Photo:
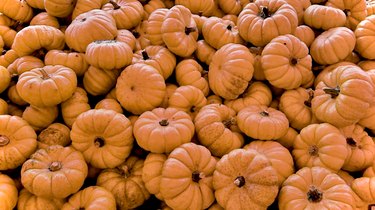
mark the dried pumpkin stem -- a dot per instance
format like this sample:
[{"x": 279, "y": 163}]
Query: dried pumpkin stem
[
  {"x": 314, "y": 195},
  {"x": 124, "y": 170},
  {"x": 265, "y": 113},
  {"x": 311, "y": 96},
  {"x": 293, "y": 61},
  {"x": 188, "y": 30},
  {"x": 115, "y": 5},
  {"x": 145, "y": 55},
  {"x": 164, "y": 122},
  {"x": 4, "y": 140},
  {"x": 196, "y": 176},
  {"x": 229, "y": 122},
  {"x": 334, "y": 92},
  {"x": 229, "y": 27},
  {"x": 264, "y": 12},
  {"x": 313, "y": 150},
  {"x": 99, "y": 141},
  {"x": 136, "y": 34},
  {"x": 351, "y": 142},
  {"x": 55, "y": 166},
  {"x": 239, "y": 181},
  {"x": 45, "y": 75}
]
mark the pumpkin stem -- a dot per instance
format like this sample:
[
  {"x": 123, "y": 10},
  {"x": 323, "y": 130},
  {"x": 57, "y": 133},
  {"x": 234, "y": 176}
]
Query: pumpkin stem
[
  {"x": 264, "y": 12},
  {"x": 45, "y": 75},
  {"x": 293, "y": 61},
  {"x": 239, "y": 181},
  {"x": 334, "y": 92},
  {"x": 124, "y": 170},
  {"x": 4, "y": 140},
  {"x": 164, "y": 122},
  {"x": 99, "y": 141},
  {"x": 265, "y": 113},
  {"x": 55, "y": 166},
  {"x": 351, "y": 142},
  {"x": 255, "y": 50},
  {"x": 311, "y": 95},
  {"x": 136, "y": 34},
  {"x": 314, "y": 195},
  {"x": 188, "y": 30},
  {"x": 313, "y": 150},
  {"x": 145, "y": 55},
  {"x": 196, "y": 176},
  {"x": 115, "y": 5},
  {"x": 229, "y": 27},
  {"x": 229, "y": 122}
]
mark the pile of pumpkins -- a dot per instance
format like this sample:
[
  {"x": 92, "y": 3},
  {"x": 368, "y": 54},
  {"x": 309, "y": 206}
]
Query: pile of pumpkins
[{"x": 187, "y": 104}]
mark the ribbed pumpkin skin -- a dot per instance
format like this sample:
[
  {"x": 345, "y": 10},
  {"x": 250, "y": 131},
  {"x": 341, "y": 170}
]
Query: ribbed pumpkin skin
[{"x": 9, "y": 193}]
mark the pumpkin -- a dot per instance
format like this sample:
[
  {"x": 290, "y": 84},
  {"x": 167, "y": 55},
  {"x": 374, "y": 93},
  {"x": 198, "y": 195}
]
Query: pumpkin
[
  {"x": 88, "y": 27},
  {"x": 322, "y": 48},
  {"x": 199, "y": 20},
  {"x": 331, "y": 102},
  {"x": 190, "y": 72},
  {"x": 364, "y": 38},
  {"x": 300, "y": 7},
  {"x": 127, "y": 13},
  {"x": 257, "y": 93},
  {"x": 29, "y": 201},
  {"x": 127, "y": 37},
  {"x": 37, "y": 4},
  {"x": 355, "y": 11},
  {"x": 9, "y": 193},
  {"x": 102, "y": 147},
  {"x": 44, "y": 18},
  {"x": 125, "y": 183},
  {"x": 230, "y": 70},
  {"x": 320, "y": 145},
  {"x": 74, "y": 60},
  {"x": 17, "y": 10},
  {"x": 40, "y": 117},
  {"x": 225, "y": 32},
  {"x": 202, "y": 7},
  {"x": 262, "y": 122},
  {"x": 98, "y": 81},
  {"x": 74, "y": 106},
  {"x": 25, "y": 63},
  {"x": 5, "y": 78},
  {"x": 8, "y": 35},
  {"x": 179, "y": 31},
  {"x": 140, "y": 34},
  {"x": 170, "y": 88},
  {"x": 191, "y": 187},
  {"x": 324, "y": 70},
  {"x": 258, "y": 71},
  {"x": 370, "y": 8},
  {"x": 188, "y": 99},
  {"x": 83, "y": 6},
  {"x": 151, "y": 173},
  {"x": 230, "y": 17},
  {"x": 232, "y": 6},
  {"x": 54, "y": 172},
  {"x": 245, "y": 179},
  {"x": 204, "y": 52},
  {"x": 361, "y": 148},
  {"x": 153, "y": 29},
  {"x": 288, "y": 139},
  {"x": 33, "y": 38},
  {"x": 140, "y": 88},
  {"x": 364, "y": 190},
  {"x": 158, "y": 57},
  {"x": 17, "y": 141},
  {"x": 296, "y": 105},
  {"x": 286, "y": 62},
  {"x": 324, "y": 17},
  {"x": 150, "y": 6},
  {"x": 315, "y": 188},
  {"x": 217, "y": 129},
  {"x": 3, "y": 107},
  {"x": 162, "y": 130},
  {"x": 261, "y": 21},
  {"x": 280, "y": 157},
  {"x": 110, "y": 104},
  {"x": 8, "y": 57},
  {"x": 305, "y": 34},
  {"x": 47, "y": 86},
  {"x": 214, "y": 99},
  {"x": 92, "y": 197},
  {"x": 58, "y": 8},
  {"x": 55, "y": 133},
  {"x": 108, "y": 54},
  {"x": 14, "y": 110}
]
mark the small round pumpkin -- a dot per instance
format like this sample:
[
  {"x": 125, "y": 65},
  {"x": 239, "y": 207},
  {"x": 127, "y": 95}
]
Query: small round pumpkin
[
  {"x": 55, "y": 172},
  {"x": 5, "y": 78},
  {"x": 364, "y": 38},
  {"x": 204, "y": 52},
  {"x": 58, "y": 8},
  {"x": 305, "y": 34},
  {"x": 262, "y": 122},
  {"x": 74, "y": 60},
  {"x": 40, "y": 117},
  {"x": 44, "y": 18},
  {"x": 29, "y": 201},
  {"x": 151, "y": 173},
  {"x": 355, "y": 11},
  {"x": 74, "y": 106},
  {"x": 56, "y": 133},
  {"x": 288, "y": 139},
  {"x": 25, "y": 63},
  {"x": 127, "y": 13},
  {"x": 127, "y": 37},
  {"x": 153, "y": 29},
  {"x": 323, "y": 17},
  {"x": 190, "y": 72},
  {"x": 98, "y": 81},
  {"x": 18, "y": 10},
  {"x": 364, "y": 191},
  {"x": 9, "y": 192},
  {"x": 162, "y": 130},
  {"x": 203, "y": 7},
  {"x": 109, "y": 103},
  {"x": 3, "y": 107}
]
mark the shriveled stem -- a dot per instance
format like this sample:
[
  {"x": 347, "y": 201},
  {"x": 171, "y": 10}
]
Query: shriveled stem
[{"x": 4, "y": 140}]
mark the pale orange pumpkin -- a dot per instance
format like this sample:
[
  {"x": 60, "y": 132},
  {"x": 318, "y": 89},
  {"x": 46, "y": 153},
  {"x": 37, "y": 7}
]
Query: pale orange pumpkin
[
  {"x": 55, "y": 133},
  {"x": 74, "y": 60},
  {"x": 24, "y": 63},
  {"x": 5, "y": 78},
  {"x": 74, "y": 106},
  {"x": 364, "y": 38},
  {"x": 190, "y": 72},
  {"x": 305, "y": 34},
  {"x": 202, "y": 7},
  {"x": 324, "y": 17},
  {"x": 204, "y": 52},
  {"x": 40, "y": 117},
  {"x": 17, "y": 10},
  {"x": 44, "y": 18},
  {"x": 3, "y": 107},
  {"x": 29, "y": 201},
  {"x": 9, "y": 193},
  {"x": 151, "y": 173},
  {"x": 58, "y": 8},
  {"x": 98, "y": 81},
  {"x": 127, "y": 37},
  {"x": 355, "y": 11},
  {"x": 153, "y": 29},
  {"x": 127, "y": 13},
  {"x": 109, "y": 103},
  {"x": 83, "y": 6}
]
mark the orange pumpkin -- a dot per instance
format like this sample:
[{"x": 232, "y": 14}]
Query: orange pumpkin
[
  {"x": 288, "y": 139},
  {"x": 153, "y": 29},
  {"x": 8, "y": 34},
  {"x": 109, "y": 103},
  {"x": 24, "y": 63},
  {"x": 150, "y": 6},
  {"x": 40, "y": 117},
  {"x": 217, "y": 129},
  {"x": 58, "y": 8},
  {"x": 190, "y": 72},
  {"x": 230, "y": 70},
  {"x": 99, "y": 81},
  {"x": 5, "y": 78},
  {"x": 364, "y": 41},
  {"x": 320, "y": 145},
  {"x": 355, "y": 11},
  {"x": 74, "y": 106},
  {"x": 18, "y": 10},
  {"x": 191, "y": 188},
  {"x": 364, "y": 192},
  {"x": 162, "y": 130},
  {"x": 55, "y": 133},
  {"x": 83, "y": 6},
  {"x": 44, "y": 18},
  {"x": 55, "y": 172},
  {"x": 102, "y": 147},
  {"x": 151, "y": 173},
  {"x": 17, "y": 141},
  {"x": 204, "y": 52},
  {"x": 127, "y": 37},
  {"x": 127, "y": 13},
  {"x": 305, "y": 34},
  {"x": 3, "y": 107},
  {"x": 9, "y": 193},
  {"x": 29, "y": 201},
  {"x": 170, "y": 88},
  {"x": 262, "y": 122},
  {"x": 179, "y": 31},
  {"x": 202, "y": 7},
  {"x": 324, "y": 17},
  {"x": 74, "y": 60},
  {"x": 14, "y": 96}
]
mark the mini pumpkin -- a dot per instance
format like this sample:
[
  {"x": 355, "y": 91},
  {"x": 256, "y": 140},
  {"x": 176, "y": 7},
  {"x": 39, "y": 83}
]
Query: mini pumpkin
[
  {"x": 323, "y": 17},
  {"x": 29, "y": 201},
  {"x": 162, "y": 130},
  {"x": 18, "y": 10},
  {"x": 74, "y": 60},
  {"x": 151, "y": 173},
  {"x": 288, "y": 139},
  {"x": 55, "y": 172},
  {"x": 3, "y": 107},
  {"x": 109, "y": 103},
  {"x": 170, "y": 88},
  {"x": 364, "y": 38},
  {"x": 74, "y": 106},
  {"x": 9, "y": 192},
  {"x": 305, "y": 34},
  {"x": 58, "y": 8},
  {"x": 262, "y": 122},
  {"x": 191, "y": 188},
  {"x": 364, "y": 192},
  {"x": 150, "y": 6},
  {"x": 14, "y": 96},
  {"x": 217, "y": 129},
  {"x": 355, "y": 11},
  {"x": 98, "y": 81},
  {"x": 204, "y": 52},
  {"x": 47, "y": 86},
  {"x": 44, "y": 18},
  {"x": 5, "y": 78},
  {"x": 55, "y": 133},
  {"x": 202, "y": 7},
  {"x": 25, "y": 63},
  {"x": 8, "y": 35},
  {"x": 127, "y": 13},
  {"x": 153, "y": 29},
  {"x": 40, "y": 117},
  {"x": 190, "y": 72},
  {"x": 320, "y": 145},
  {"x": 83, "y": 6}
]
